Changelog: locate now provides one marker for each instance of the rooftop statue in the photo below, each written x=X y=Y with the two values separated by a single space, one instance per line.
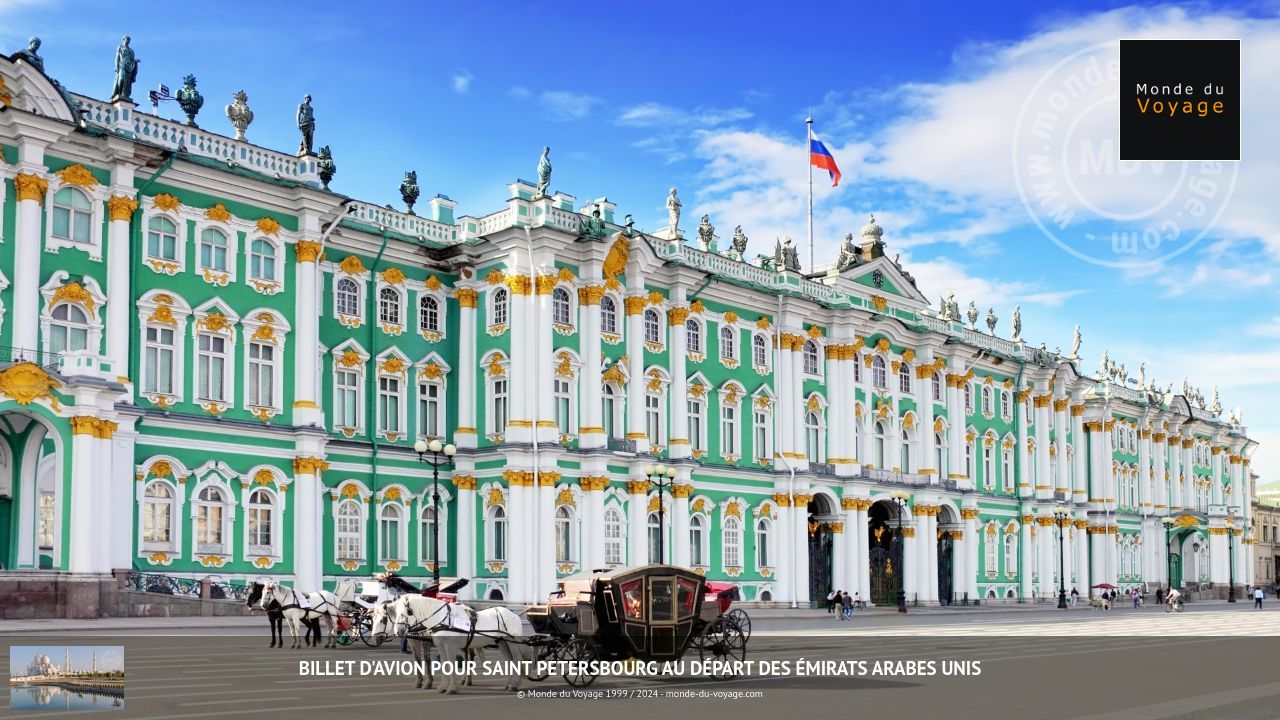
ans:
x=30 y=56
x=409 y=189
x=673 y=214
x=306 y=126
x=785 y=256
x=326 y=167
x=592 y=228
x=992 y=320
x=1142 y=373
x=1103 y=367
x=707 y=235
x=1017 y=323
x=126 y=72
x=190 y=99
x=739 y=242
x=1216 y=406
x=848 y=254
x=972 y=315
x=629 y=226
x=239 y=114
x=544 y=173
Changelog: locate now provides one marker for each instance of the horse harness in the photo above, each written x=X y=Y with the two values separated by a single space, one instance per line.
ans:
x=295 y=605
x=417 y=627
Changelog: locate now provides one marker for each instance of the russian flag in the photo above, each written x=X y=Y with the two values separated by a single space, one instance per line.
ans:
x=820 y=157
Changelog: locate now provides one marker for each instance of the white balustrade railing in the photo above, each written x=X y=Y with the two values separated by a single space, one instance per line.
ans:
x=494 y=222
x=402 y=222
x=1124 y=393
x=566 y=220
x=990 y=342
x=175 y=135
x=934 y=323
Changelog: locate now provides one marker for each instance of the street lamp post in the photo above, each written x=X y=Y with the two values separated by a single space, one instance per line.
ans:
x=899 y=498
x=1168 y=556
x=1231 y=558
x=1061 y=516
x=657 y=474
x=440 y=455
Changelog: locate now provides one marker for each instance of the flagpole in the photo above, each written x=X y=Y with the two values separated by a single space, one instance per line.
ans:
x=808 y=122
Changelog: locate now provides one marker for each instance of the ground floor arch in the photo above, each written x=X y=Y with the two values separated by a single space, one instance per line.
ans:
x=34 y=501
x=823 y=520
x=885 y=552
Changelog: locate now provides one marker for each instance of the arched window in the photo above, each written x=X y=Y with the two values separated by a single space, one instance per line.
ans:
x=614 y=537
x=937 y=386
x=209 y=526
x=611 y=403
x=813 y=436
x=652 y=326
x=986 y=400
x=428 y=314
x=211 y=367
x=565 y=550
x=763 y=527
x=988 y=465
x=653 y=423
x=1006 y=470
x=560 y=307
x=728 y=428
x=347 y=531
x=261 y=523
x=72 y=216
x=157 y=515
x=968 y=399
x=990 y=550
x=968 y=460
x=499 y=307
x=760 y=351
x=878 y=377
x=262 y=260
x=656 y=549
x=1010 y=554
x=939 y=454
x=904 y=461
x=697 y=542
x=429 y=533
x=162 y=239
x=693 y=336
x=810 y=357
x=1004 y=404
x=157 y=370
x=880 y=440
x=68 y=328
x=732 y=528
x=904 y=378
x=608 y=315
x=389 y=306
x=728 y=343
x=213 y=250
x=697 y=423
x=389 y=524
x=497 y=544
x=348 y=297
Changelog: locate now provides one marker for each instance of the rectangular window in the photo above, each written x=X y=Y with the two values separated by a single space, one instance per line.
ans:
x=729 y=430
x=499 y=406
x=47 y=521
x=210 y=367
x=761 y=435
x=563 y=406
x=209 y=528
x=695 y=425
x=260 y=529
x=429 y=409
x=653 y=419
x=345 y=402
x=261 y=390
x=389 y=404
x=159 y=360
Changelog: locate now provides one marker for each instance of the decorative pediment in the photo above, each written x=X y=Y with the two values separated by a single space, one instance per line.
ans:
x=882 y=278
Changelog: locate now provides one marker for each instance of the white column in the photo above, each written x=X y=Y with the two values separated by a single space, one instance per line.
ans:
x=1083 y=581
x=958 y=421
x=545 y=370
x=1020 y=457
x=306 y=327
x=911 y=558
x=119 y=492
x=800 y=547
x=782 y=534
x=591 y=424
x=305 y=502
x=1188 y=472
x=544 y=577
x=854 y=538
x=1145 y=489
x=924 y=410
x=465 y=433
x=81 y=556
x=1216 y=475
x=593 y=487
x=464 y=530
x=1025 y=549
x=835 y=408
x=1044 y=476
x=1047 y=532
x=678 y=545
x=799 y=459
x=678 y=440
x=864 y=549
x=1159 y=475
x=1080 y=452
x=971 y=541
x=31 y=188
x=520 y=419
x=929 y=579
x=1175 y=472
x=638 y=518
x=839 y=578
x=1061 y=428
x=120 y=210
x=520 y=561
x=635 y=305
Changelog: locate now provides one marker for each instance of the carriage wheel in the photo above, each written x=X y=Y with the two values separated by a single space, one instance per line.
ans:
x=742 y=619
x=578 y=650
x=722 y=641
x=364 y=628
x=344 y=638
x=545 y=653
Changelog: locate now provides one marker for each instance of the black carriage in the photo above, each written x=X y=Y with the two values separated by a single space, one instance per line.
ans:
x=651 y=612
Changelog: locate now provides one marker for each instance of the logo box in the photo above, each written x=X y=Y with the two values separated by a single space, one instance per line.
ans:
x=1180 y=99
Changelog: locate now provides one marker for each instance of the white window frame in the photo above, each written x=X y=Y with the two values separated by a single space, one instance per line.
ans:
x=695 y=339
x=567 y=525
x=904 y=378
x=762 y=428
x=615 y=535
x=180 y=311
x=400 y=395
x=491 y=308
x=401 y=531
x=174 y=502
x=437 y=333
x=96 y=197
x=252 y=322
x=276 y=514
x=562 y=300
x=814 y=433
x=811 y=358
x=398 y=306
x=233 y=253
x=359 y=536
x=277 y=266
x=698 y=435
x=764 y=529
x=702 y=542
x=616 y=330
x=442 y=517
x=730 y=424
x=227 y=520
x=491 y=392
x=228 y=357
x=653 y=328
x=491 y=521
x=879 y=373
x=760 y=345
x=359 y=370
x=731 y=549
x=150 y=212
x=728 y=350
x=936 y=387
x=360 y=280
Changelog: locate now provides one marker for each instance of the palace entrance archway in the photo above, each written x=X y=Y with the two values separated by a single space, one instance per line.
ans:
x=885 y=553
x=821 y=548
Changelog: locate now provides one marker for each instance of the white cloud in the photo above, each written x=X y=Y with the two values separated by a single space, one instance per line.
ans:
x=462 y=82
x=652 y=114
x=519 y=92
x=566 y=106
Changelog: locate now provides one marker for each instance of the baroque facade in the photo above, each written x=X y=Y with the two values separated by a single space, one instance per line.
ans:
x=215 y=366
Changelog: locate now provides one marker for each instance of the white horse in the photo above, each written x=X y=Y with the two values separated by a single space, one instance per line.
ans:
x=420 y=643
x=298 y=607
x=458 y=631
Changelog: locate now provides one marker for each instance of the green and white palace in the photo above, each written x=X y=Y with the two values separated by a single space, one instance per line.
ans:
x=214 y=366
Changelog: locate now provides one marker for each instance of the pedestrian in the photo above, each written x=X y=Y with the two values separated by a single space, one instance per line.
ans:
x=833 y=599
x=1134 y=595
x=858 y=603
x=1257 y=598
x=1159 y=596
x=1075 y=597
x=847 y=602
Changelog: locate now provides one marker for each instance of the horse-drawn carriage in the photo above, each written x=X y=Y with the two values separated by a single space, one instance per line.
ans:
x=650 y=612
x=358 y=615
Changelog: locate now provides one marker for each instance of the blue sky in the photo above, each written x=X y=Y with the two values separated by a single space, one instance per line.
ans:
x=110 y=657
x=916 y=100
